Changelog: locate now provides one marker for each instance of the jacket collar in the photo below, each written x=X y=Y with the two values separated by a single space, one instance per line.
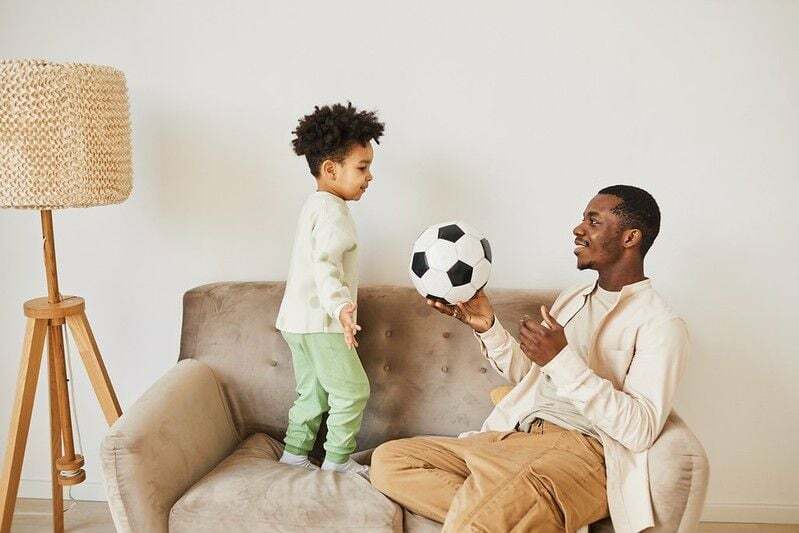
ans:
x=627 y=290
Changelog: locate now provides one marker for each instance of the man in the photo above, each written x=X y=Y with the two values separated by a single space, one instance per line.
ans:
x=593 y=387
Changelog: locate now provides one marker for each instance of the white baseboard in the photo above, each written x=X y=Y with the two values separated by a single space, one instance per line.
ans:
x=754 y=513
x=40 y=488
x=714 y=512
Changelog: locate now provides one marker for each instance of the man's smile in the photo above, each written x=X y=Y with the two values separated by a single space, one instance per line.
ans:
x=581 y=245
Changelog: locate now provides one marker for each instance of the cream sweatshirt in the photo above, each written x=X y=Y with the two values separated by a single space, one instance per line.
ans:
x=323 y=272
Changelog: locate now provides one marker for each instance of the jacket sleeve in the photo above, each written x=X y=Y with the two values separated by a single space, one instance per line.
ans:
x=635 y=415
x=504 y=353
x=330 y=239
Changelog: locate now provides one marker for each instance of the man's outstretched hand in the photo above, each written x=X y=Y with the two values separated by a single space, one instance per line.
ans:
x=347 y=319
x=477 y=313
x=541 y=343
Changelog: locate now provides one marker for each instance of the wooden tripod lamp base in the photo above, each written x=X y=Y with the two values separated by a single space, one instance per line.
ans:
x=44 y=319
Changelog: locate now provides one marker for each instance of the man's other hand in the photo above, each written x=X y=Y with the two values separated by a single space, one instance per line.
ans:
x=541 y=343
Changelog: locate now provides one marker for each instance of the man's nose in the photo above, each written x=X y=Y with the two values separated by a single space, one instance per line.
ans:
x=578 y=230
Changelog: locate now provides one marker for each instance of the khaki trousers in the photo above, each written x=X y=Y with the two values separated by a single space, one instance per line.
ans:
x=549 y=479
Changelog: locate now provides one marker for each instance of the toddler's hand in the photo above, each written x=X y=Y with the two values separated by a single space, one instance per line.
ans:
x=346 y=317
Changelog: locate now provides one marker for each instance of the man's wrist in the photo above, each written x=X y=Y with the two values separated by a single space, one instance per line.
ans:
x=491 y=325
x=544 y=363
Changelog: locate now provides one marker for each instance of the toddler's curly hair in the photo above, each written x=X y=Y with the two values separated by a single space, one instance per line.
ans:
x=330 y=131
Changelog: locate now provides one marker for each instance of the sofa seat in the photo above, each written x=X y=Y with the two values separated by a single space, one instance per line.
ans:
x=251 y=491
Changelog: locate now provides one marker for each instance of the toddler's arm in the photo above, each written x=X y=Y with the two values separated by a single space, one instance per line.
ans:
x=329 y=242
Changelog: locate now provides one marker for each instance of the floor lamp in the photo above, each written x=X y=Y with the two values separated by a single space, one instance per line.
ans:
x=64 y=142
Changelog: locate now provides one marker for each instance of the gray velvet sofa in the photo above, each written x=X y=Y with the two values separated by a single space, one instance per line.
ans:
x=197 y=452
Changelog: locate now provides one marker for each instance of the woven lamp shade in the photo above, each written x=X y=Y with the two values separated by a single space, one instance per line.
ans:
x=64 y=135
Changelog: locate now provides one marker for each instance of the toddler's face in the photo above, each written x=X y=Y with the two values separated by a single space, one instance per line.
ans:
x=353 y=173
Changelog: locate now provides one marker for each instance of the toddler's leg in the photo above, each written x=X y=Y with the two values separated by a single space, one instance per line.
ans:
x=342 y=376
x=305 y=415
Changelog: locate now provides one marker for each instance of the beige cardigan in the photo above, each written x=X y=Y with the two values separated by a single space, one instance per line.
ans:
x=636 y=359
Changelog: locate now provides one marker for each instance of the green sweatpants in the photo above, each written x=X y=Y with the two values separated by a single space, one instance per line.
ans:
x=330 y=378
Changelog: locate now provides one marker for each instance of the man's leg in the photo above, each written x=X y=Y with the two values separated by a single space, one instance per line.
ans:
x=422 y=474
x=549 y=479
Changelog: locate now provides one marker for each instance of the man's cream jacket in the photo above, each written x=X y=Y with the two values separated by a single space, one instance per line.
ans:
x=626 y=388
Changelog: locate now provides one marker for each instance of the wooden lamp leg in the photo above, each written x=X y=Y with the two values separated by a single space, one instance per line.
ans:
x=20 y=418
x=95 y=368
x=55 y=443
x=69 y=463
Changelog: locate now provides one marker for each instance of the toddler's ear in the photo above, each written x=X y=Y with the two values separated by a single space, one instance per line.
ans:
x=329 y=168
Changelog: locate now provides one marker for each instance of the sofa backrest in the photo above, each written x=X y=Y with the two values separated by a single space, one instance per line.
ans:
x=426 y=372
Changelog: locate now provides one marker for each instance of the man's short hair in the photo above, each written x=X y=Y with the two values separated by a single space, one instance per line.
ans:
x=637 y=210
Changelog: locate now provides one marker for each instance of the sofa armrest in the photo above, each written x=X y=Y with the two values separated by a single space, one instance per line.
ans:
x=678 y=476
x=172 y=436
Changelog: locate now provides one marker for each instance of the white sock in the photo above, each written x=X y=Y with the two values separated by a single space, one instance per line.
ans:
x=293 y=459
x=336 y=467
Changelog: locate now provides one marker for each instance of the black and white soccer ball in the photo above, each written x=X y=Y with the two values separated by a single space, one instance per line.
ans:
x=450 y=261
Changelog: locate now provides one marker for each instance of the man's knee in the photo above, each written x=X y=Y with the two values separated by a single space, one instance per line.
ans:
x=381 y=464
x=521 y=503
x=387 y=460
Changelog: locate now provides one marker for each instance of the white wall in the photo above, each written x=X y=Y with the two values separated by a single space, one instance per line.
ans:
x=509 y=116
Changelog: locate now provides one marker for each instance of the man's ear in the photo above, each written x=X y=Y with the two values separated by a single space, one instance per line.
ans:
x=328 y=168
x=632 y=238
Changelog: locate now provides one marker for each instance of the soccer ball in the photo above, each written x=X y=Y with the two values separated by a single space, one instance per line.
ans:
x=450 y=261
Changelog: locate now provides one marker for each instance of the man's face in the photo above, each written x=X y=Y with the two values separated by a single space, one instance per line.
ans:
x=599 y=237
x=353 y=173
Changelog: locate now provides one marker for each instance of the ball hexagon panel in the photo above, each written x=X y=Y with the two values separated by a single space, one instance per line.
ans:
x=460 y=294
x=469 y=230
x=436 y=283
x=470 y=249
x=417 y=282
x=426 y=239
x=480 y=274
x=441 y=255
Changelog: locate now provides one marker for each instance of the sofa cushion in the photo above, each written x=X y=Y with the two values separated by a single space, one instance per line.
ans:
x=251 y=491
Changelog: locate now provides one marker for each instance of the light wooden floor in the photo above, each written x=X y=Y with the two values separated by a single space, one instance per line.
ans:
x=93 y=517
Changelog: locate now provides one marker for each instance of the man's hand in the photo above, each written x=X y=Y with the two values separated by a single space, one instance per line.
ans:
x=541 y=343
x=347 y=319
x=477 y=313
